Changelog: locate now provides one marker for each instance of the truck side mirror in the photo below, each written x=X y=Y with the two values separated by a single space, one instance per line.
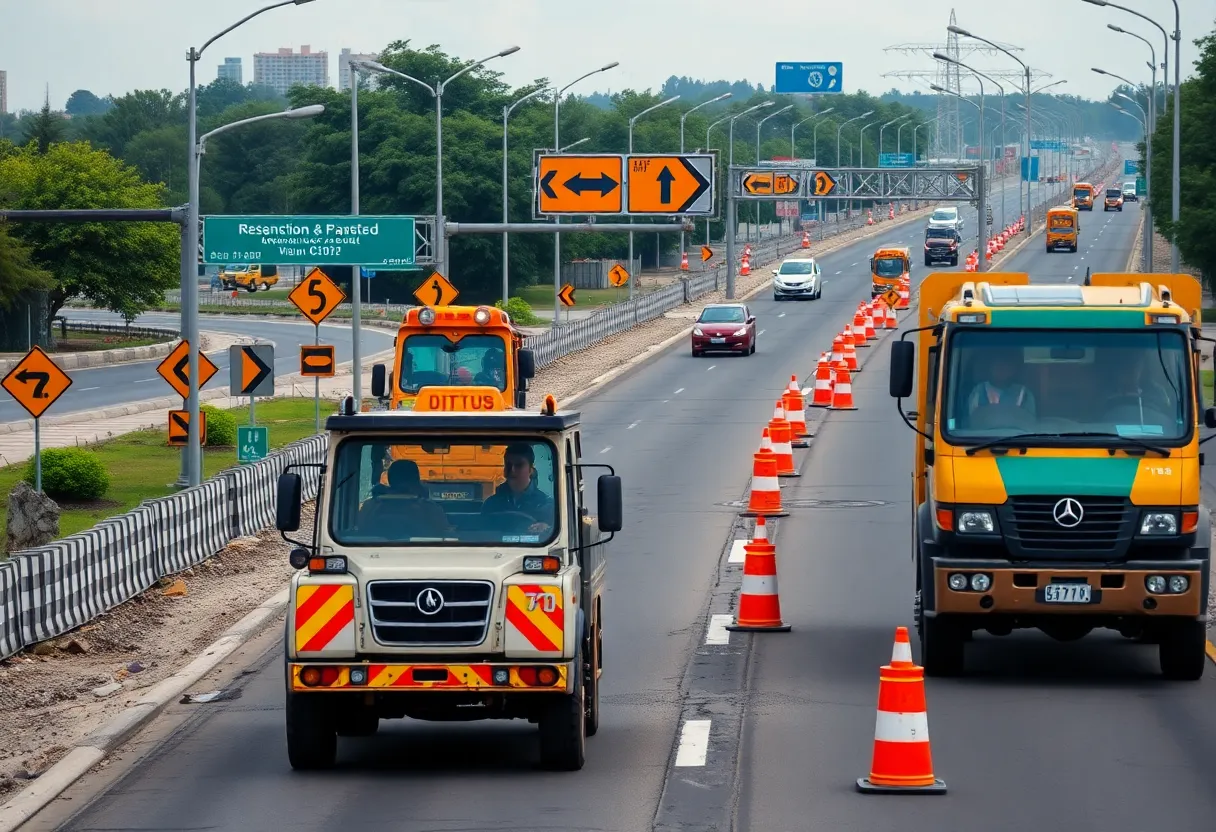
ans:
x=1209 y=417
x=287 y=504
x=610 y=503
x=903 y=361
x=379 y=381
x=527 y=363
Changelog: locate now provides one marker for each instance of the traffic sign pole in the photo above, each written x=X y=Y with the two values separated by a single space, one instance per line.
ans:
x=38 y=455
x=316 y=382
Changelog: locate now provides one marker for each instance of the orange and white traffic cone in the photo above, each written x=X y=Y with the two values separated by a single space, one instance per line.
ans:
x=759 y=600
x=781 y=436
x=905 y=293
x=869 y=217
x=891 y=212
x=745 y=267
x=892 y=318
x=842 y=390
x=824 y=375
x=837 y=353
x=795 y=414
x=683 y=261
x=765 y=497
x=902 y=762
x=867 y=311
x=850 y=353
x=879 y=311
x=806 y=239
x=859 y=326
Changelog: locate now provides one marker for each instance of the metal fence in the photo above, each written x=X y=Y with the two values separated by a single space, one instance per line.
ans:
x=51 y=590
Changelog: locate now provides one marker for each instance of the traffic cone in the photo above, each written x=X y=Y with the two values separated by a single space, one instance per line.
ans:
x=806 y=239
x=765 y=497
x=880 y=314
x=759 y=601
x=892 y=318
x=859 y=327
x=781 y=436
x=891 y=212
x=795 y=414
x=842 y=389
x=745 y=267
x=683 y=261
x=902 y=762
x=905 y=293
x=850 y=354
x=869 y=217
x=837 y=353
x=823 y=374
x=867 y=311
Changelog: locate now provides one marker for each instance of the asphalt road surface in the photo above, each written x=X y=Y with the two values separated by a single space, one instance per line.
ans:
x=101 y=387
x=681 y=432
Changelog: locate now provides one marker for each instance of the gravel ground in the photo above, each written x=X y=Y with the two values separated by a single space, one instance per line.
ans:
x=55 y=693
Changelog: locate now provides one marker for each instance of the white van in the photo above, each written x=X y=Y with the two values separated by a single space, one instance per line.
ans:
x=946 y=218
x=1129 y=192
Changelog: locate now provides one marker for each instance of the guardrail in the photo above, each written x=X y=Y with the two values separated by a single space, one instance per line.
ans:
x=115 y=329
x=51 y=590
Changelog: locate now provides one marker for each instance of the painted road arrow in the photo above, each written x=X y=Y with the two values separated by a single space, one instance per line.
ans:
x=604 y=185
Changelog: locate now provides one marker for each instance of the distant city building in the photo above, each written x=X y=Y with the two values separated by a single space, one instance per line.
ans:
x=282 y=70
x=230 y=70
x=344 y=59
x=3 y=91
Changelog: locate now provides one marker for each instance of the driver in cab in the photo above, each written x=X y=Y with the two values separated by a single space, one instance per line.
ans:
x=1001 y=386
x=519 y=493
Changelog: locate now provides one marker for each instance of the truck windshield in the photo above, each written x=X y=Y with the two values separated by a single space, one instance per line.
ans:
x=429 y=492
x=943 y=216
x=889 y=266
x=946 y=234
x=1132 y=384
x=1080 y=193
x=429 y=360
x=798 y=267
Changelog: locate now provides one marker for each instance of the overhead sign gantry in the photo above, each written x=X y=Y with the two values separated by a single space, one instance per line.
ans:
x=935 y=184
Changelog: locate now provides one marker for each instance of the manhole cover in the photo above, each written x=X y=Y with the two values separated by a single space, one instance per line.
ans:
x=816 y=503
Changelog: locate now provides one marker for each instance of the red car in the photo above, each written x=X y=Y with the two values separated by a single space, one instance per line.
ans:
x=724 y=327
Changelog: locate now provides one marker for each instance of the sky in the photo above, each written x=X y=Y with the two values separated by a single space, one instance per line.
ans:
x=115 y=46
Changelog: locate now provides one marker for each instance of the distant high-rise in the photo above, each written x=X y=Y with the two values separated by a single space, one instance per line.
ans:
x=3 y=91
x=344 y=59
x=230 y=70
x=282 y=70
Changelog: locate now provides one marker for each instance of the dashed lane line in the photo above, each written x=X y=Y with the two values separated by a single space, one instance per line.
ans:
x=694 y=743
x=716 y=633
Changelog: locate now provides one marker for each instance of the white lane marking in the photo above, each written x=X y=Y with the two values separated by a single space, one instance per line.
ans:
x=87 y=389
x=144 y=380
x=737 y=553
x=710 y=367
x=716 y=633
x=839 y=272
x=782 y=315
x=761 y=332
x=694 y=743
x=606 y=450
x=678 y=392
x=852 y=264
x=634 y=425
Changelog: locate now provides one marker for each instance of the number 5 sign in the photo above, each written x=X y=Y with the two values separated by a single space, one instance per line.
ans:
x=317 y=296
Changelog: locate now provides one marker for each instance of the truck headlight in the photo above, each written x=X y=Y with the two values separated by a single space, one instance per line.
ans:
x=981 y=582
x=1179 y=583
x=331 y=565
x=957 y=581
x=426 y=316
x=975 y=522
x=482 y=316
x=1159 y=522
x=1155 y=584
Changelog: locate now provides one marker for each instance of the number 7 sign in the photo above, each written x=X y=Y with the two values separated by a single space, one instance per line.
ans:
x=317 y=296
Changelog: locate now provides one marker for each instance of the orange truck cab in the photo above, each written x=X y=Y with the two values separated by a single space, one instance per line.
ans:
x=1114 y=200
x=1063 y=229
x=887 y=266
x=1083 y=196
x=457 y=346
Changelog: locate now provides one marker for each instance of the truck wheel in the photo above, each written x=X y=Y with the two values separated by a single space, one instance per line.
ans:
x=1182 y=651
x=252 y=288
x=941 y=647
x=312 y=742
x=563 y=729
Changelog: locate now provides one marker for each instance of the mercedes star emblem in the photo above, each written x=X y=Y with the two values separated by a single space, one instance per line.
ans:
x=1068 y=513
x=430 y=601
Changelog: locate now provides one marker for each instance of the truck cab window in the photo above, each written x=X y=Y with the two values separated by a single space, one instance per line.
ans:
x=435 y=360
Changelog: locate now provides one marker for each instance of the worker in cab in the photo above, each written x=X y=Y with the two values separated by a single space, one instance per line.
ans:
x=402 y=510
x=1001 y=388
x=519 y=494
x=493 y=372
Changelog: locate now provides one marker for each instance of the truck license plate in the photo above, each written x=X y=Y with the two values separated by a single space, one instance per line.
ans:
x=1066 y=594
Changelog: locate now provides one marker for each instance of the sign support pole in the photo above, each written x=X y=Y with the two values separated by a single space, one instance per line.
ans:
x=38 y=455
x=252 y=420
x=730 y=239
x=316 y=382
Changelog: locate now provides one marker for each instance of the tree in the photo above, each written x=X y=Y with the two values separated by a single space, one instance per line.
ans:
x=83 y=103
x=132 y=114
x=46 y=128
x=1197 y=214
x=18 y=273
x=118 y=266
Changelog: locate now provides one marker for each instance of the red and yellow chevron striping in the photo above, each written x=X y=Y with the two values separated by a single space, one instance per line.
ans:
x=536 y=612
x=426 y=677
x=323 y=613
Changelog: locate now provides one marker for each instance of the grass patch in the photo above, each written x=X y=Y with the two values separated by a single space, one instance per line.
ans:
x=142 y=467
x=78 y=341
x=1205 y=381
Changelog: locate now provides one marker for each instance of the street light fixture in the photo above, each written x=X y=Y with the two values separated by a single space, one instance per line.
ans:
x=557 y=220
x=192 y=469
x=632 y=122
x=814 y=143
x=1175 y=199
x=980 y=77
x=1149 y=133
x=839 y=130
x=759 y=125
x=583 y=140
x=883 y=129
x=506 y=114
x=684 y=117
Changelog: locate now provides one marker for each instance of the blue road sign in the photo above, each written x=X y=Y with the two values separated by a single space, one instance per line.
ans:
x=1130 y=167
x=1034 y=168
x=897 y=160
x=798 y=77
x=366 y=272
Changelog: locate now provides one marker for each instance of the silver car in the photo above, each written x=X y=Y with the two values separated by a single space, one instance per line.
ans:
x=798 y=278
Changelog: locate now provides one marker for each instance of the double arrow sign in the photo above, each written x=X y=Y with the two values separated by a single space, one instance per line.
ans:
x=678 y=185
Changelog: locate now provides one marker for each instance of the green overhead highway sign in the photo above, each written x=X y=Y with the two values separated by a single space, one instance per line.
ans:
x=386 y=242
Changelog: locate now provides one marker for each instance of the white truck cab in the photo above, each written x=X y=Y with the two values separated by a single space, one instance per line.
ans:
x=410 y=602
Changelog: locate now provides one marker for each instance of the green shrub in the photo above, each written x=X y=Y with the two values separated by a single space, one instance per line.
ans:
x=221 y=427
x=71 y=473
x=521 y=312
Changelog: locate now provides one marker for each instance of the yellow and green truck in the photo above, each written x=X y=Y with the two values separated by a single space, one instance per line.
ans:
x=1056 y=478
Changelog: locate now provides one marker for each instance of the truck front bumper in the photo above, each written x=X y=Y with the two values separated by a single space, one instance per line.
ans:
x=482 y=677
x=1113 y=593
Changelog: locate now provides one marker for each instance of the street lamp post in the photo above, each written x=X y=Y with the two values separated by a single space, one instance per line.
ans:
x=192 y=470
x=883 y=129
x=759 y=125
x=730 y=163
x=557 y=220
x=1149 y=123
x=506 y=114
x=981 y=201
x=1026 y=69
x=796 y=125
x=815 y=135
x=839 y=130
x=978 y=76
x=684 y=117
x=632 y=122
x=709 y=130
x=1175 y=202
